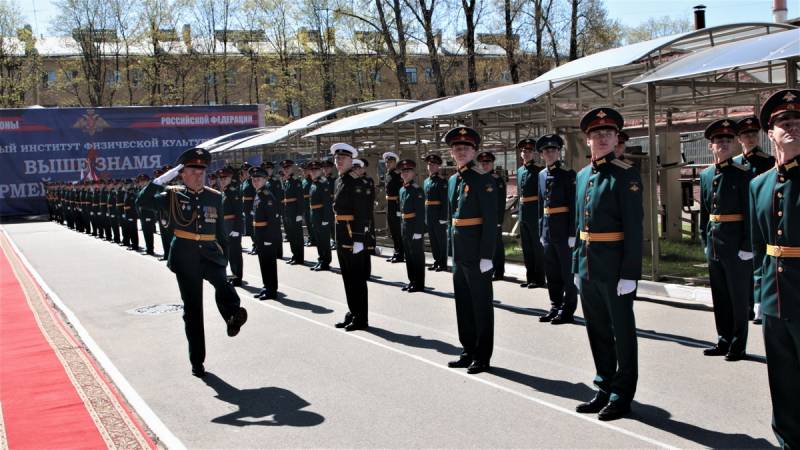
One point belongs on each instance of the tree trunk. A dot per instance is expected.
(511, 60)
(573, 31)
(469, 43)
(399, 58)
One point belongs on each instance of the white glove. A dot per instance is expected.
(757, 310)
(571, 242)
(745, 256)
(324, 224)
(168, 175)
(625, 286)
(541, 241)
(299, 218)
(577, 281)
(416, 236)
(358, 247)
(442, 222)
(485, 265)
(234, 234)
(399, 214)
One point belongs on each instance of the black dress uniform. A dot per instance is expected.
(775, 221)
(351, 209)
(275, 186)
(321, 207)
(114, 210)
(528, 217)
(196, 253)
(472, 206)
(607, 257)
(392, 183)
(556, 229)
(266, 233)
(435, 188)
(412, 227)
(233, 216)
(499, 260)
(725, 233)
(248, 195)
(293, 207)
(306, 185)
(148, 219)
(164, 230)
(132, 216)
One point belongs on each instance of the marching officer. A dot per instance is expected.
(248, 195)
(148, 219)
(197, 248)
(275, 186)
(486, 161)
(412, 227)
(472, 208)
(132, 215)
(725, 235)
(527, 214)
(321, 207)
(293, 207)
(266, 233)
(233, 216)
(557, 229)
(392, 184)
(350, 208)
(607, 262)
(435, 187)
(775, 219)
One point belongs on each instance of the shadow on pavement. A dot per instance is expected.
(415, 341)
(286, 301)
(284, 406)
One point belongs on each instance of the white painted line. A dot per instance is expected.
(136, 401)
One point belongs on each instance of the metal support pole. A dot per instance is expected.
(654, 211)
(791, 73)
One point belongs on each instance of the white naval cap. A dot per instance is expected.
(344, 149)
(390, 155)
(358, 162)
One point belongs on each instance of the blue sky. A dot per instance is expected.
(629, 12)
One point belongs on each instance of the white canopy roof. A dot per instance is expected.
(369, 119)
(235, 136)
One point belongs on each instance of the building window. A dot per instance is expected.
(376, 76)
(272, 79)
(112, 78)
(295, 110)
(49, 79)
(411, 75)
(273, 106)
(71, 75)
(211, 79)
(137, 75)
(505, 75)
(230, 74)
(429, 75)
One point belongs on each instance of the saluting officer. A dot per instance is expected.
(350, 208)
(472, 207)
(197, 251)
(557, 229)
(248, 195)
(233, 217)
(775, 220)
(435, 187)
(321, 207)
(293, 207)
(412, 227)
(148, 219)
(392, 184)
(486, 161)
(266, 234)
(726, 239)
(607, 261)
(275, 186)
(527, 214)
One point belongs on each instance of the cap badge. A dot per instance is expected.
(789, 97)
(601, 114)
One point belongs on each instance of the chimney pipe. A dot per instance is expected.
(700, 17)
(779, 11)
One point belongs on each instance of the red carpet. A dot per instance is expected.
(52, 394)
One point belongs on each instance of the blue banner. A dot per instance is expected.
(72, 144)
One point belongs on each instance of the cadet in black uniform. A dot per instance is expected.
(132, 215)
(266, 234)
(725, 233)
(293, 207)
(115, 205)
(164, 229)
(306, 184)
(197, 251)
(233, 217)
(148, 220)
(607, 262)
(472, 207)
(321, 207)
(486, 161)
(527, 215)
(435, 187)
(412, 227)
(392, 184)
(359, 169)
(248, 194)
(350, 210)
(557, 229)
(275, 186)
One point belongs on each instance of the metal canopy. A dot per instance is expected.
(369, 119)
(235, 136)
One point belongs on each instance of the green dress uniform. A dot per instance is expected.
(248, 195)
(267, 230)
(233, 216)
(392, 183)
(412, 227)
(472, 207)
(132, 216)
(609, 215)
(114, 211)
(499, 260)
(293, 207)
(275, 186)
(725, 233)
(527, 215)
(196, 253)
(775, 223)
(435, 188)
(321, 207)
(306, 185)
(556, 229)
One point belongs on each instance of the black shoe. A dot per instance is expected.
(524, 285)
(348, 318)
(399, 260)
(614, 410)
(433, 268)
(236, 282)
(441, 269)
(735, 356)
(291, 262)
(163, 258)
(757, 321)
(356, 326)
(268, 295)
(236, 321)
(252, 252)
(151, 253)
(460, 363)
(198, 370)
(535, 285)
(323, 267)
(405, 287)
(716, 350)
(477, 367)
(594, 405)
(549, 316)
(561, 319)
(415, 289)
(260, 293)
(315, 267)
(497, 277)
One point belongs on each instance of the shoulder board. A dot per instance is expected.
(741, 167)
(479, 170)
(213, 191)
(176, 188)
(323, 179)
(762, 154)
(494, 175)
(622, 164)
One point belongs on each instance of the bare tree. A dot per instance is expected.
(469, 8)
(215, 17)
(162, 45)
(423, 11)
(657, 27)
(277, 20)
(18, 57)
(319, 16)
(124, 13)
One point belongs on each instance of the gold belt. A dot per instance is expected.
(726, 217)
(229, 216)
(468, 222)
(247, 198)
(126, 207)
(532, 198)
(316, 206)
(307, 196)
(613, 236)
(409, 215)
(783, 251)
(259, 224)
(392, 197)
(289, 200)
(120, 204)
(433, 202)
(345, 217)
(194, 236)
(556, 210)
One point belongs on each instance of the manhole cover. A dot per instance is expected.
(155, 310)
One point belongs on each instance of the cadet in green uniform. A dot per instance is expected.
(359, 169)
(275, 186)
(306, 184)
(321, 207)
(435, 187)
(248, 194)
(132, 215)
(486, 161)
(233, 217)
(164, 229)
(350, 208)
(775, 220)
(725, 233)
(293, 207)
(266, 234)
(148, 220)
(527, 190)
(472, 207)
(412, 227)
(392, 184)
(607, 261)
(114, 210)
(197, 251)
(557, 229)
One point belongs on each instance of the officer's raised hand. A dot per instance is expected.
(168, 175)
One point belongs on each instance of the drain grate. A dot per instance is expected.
(156, 310)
